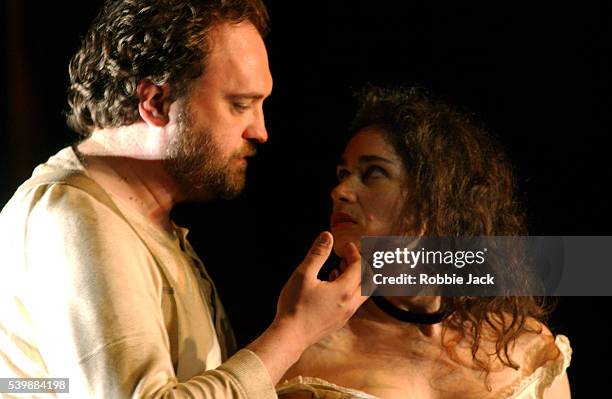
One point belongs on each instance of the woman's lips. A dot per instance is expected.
(342, 220)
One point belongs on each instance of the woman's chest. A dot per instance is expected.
(394, 369)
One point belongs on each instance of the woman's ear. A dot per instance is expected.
(422, 229)
(153, 103)
(414, 226)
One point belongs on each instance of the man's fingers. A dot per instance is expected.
(352, 273)
(318, 254)
(367, 281)
(342, 265)
(359, 299)
(333, 275)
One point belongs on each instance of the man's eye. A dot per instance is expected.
(240, 107)
(374, 172)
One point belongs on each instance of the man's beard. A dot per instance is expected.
(195, 161)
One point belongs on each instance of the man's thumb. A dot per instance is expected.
(318, 253)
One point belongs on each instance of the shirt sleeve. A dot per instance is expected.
(94, 299)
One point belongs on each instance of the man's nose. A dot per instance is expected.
(256, 130)
(343, 192)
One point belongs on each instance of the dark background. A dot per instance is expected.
(537, 74)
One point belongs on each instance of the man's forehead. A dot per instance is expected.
(239, 60)
(229, 40)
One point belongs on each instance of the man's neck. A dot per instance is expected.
(132, 172)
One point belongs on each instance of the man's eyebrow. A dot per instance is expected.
(246, 96)
(367, 159)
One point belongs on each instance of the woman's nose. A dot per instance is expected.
(343, 192)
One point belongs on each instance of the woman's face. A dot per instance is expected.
(371, 190)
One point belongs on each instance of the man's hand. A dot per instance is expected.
(310, 309)
(313, 308)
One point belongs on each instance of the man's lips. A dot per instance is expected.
(249, 154)
(342, 219)
(243, 159)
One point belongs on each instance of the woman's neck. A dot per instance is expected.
(417, 304)
(370, 319)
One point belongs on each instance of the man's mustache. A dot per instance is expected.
(250, 150)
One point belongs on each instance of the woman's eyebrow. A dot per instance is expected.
(363, 159)
(373, 158)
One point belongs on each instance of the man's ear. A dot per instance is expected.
(153, 103)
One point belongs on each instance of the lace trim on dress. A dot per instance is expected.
(320, 389)
(544, 375)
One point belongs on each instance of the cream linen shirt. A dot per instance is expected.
(92, 291)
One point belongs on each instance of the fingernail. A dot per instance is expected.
(324, 239)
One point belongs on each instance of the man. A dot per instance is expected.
(97, 284)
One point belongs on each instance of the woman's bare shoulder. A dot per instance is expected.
(530, 348)
(535, 346)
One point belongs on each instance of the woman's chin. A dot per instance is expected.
(341, 241)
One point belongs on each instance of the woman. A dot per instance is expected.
(417, 167)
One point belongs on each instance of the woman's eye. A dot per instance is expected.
(373, 172)
(342, 174)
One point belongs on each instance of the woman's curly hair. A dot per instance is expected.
(461, 184)
(165, 41)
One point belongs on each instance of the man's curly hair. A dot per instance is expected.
(166, 41)
(460, 184)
